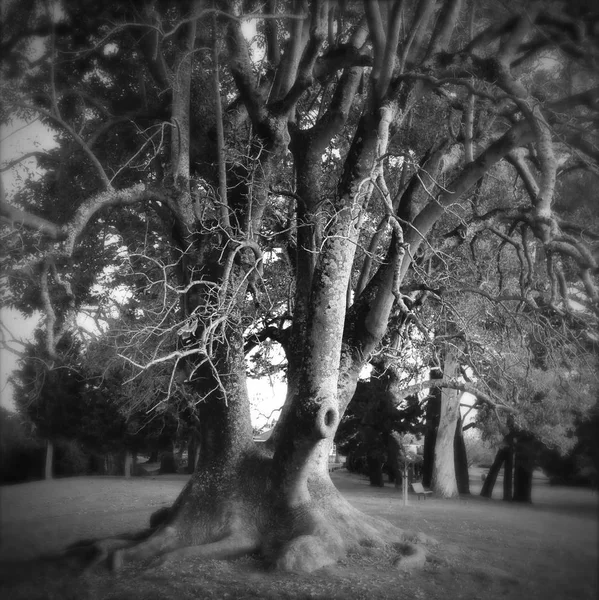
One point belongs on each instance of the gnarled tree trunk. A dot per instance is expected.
(278, 499)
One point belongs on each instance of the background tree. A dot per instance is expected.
(49, 393)
(356, 139)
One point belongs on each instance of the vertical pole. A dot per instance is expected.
(405, 485)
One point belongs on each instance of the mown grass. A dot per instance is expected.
(488, 548)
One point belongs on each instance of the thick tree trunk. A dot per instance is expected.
(278, 499)
(444, 482)
(508, 470)
(461, 460)
(489, 483)
(49, 465)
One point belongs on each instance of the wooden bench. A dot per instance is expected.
(419, 490)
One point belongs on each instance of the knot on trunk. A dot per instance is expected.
(326, 420)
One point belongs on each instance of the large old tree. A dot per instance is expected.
(293, 170)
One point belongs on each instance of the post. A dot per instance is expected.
(405, 484)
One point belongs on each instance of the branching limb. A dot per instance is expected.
(457, 384)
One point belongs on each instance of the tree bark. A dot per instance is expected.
(49, 464)
(444, 482)
(489, 483)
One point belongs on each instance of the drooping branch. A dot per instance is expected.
(105, 180)
(35, 154)
(517, 135)
(20, 218)
(455, 384)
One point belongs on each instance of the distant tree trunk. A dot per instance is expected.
(523, 468)
(444, 474)
(375, 471)
(508, 470)
(461, 460)
(128, 464)
(48, 470)
(168, 463)
(522, 484)
(153, 456)
(433, 410)
(193, 449)
(395, 463)
(489, 483)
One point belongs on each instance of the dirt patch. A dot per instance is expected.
(489, 549)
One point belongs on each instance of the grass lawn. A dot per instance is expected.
(488, 548)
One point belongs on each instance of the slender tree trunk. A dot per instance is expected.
(523, 470)
(433, 411)
(508, 470)
(461, 460)
(128, 464)
(489, 483)
(444, 482)
(192, 453)
(49, 466)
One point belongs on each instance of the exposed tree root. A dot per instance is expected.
(228, 548)
(244, 515)
(162, 541)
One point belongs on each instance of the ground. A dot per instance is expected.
(488, 548)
